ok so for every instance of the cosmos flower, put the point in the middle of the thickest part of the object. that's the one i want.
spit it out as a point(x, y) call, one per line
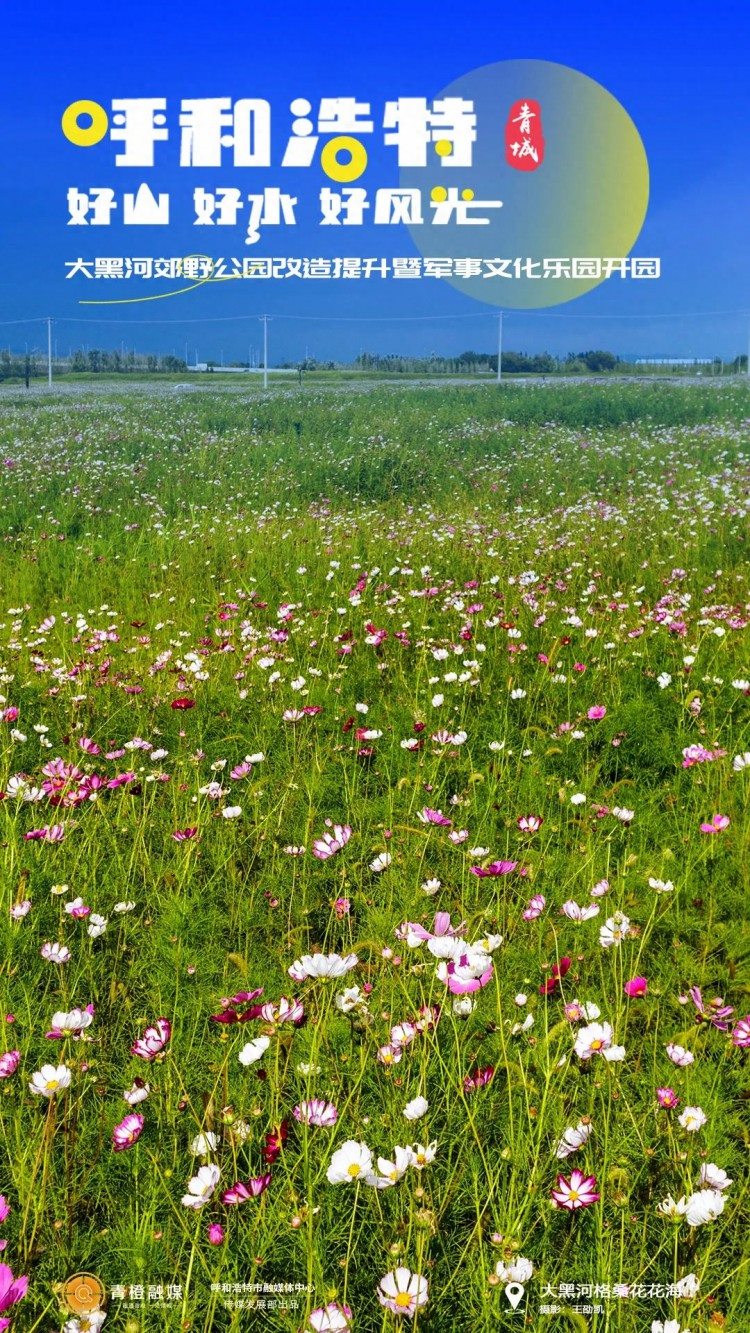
point(715, 1012)
point(575, 1191)
point(717, 824)
point(416, 1108)
point(9, 1063)
point(704, 1206)
point(49, 1080)
point(201, 1187)
point(667, 1098)
point(12, 1289)
point(403, 1292)
point(351, 1162)
point(573, 1139)
point(241, 1191)
point(636, 987)
point(331, 1318)
point(519, 1270)
point(153, 1041)
point(679, 1055)
point(330, 843)
point(321, 966)
point(596, 1039)
point(614, 930)
point(316, 1112)
point(741, 1032)
point(254, 1050)
point(127, 1132)
point(71, 1024)
point(692, 1119)
point(714, 1177)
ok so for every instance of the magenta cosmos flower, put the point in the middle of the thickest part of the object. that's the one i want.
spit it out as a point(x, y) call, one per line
point(127, 1132)
point(667, 1098)
point(741, 1032)
point(596, 713)
point(717, 824)
point(249, 1189)
point(715, 1012)
point(153, 1041)
point(9, 1063)
point(216, 1234)
point(575, 1191)
point(12, 1289)
point(636, 987)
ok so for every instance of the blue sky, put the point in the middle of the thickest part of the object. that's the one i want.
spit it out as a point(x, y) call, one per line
point(679, 70)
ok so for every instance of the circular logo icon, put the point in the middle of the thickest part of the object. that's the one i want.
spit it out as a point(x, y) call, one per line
point(83, 1293)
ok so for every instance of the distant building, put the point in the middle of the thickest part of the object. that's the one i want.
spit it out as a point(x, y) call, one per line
point(674, 361)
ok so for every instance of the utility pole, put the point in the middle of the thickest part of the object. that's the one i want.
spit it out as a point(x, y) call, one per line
point(500, 347)
point(49, 351)
point(264, 319)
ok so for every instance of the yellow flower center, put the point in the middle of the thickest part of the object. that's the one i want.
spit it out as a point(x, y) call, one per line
point(354, 1169)
point(574, 1196)
point(597, 1045)
point(403, 1300)
point(52, 1083)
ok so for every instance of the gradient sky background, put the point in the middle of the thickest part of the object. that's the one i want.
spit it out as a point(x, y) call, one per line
point(679, 70)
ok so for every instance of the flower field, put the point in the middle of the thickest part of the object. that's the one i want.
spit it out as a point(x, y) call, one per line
point(375, 859)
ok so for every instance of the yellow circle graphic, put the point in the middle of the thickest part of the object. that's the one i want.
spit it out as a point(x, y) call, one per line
point(343, 171)
point(84, 136)
point(83, 1293)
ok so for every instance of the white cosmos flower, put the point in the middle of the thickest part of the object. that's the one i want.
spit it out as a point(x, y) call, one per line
point(321, 965)
point(664, 680)
point(520, 1270)
point(254, 1050)
point(594, 1039)
point(349, 1163)
point(232, 811)
point(674, 1208)
point(741, 761)
point(704, 1206)
point(614, 930)
point(692, 1119)
point(201, 1187)
point(97, 925)
point(381, 862)
point(416, 1108)
point(50, 1079)
point(204, 1143)
point(392, 1171)
point(714, 1177)
point(661, 885)
point(573, 1138)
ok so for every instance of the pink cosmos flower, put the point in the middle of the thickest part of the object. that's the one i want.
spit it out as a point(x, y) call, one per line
point(216, 1234)
point(667, 1098)
point(596, 713)
point(740, 1032)
point(635, 988)
point(575, 1191)
point(330, 843)
point(479, 1079)
point(285, 1011)
point(529, 823)
point(238, 1008)
point(715, 1012)
point(250, 1189)
point(153, 1041)
point(9, 1063)
point(316, 1112)
point(717, 824)
point(4, 1208)
point(12, 1289)
point(535, 908)
point(184, 834)
point(127, 1132)
point(494, 868)
point(437, 817)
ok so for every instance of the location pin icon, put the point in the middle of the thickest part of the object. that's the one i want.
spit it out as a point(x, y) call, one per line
point(514, 1291)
